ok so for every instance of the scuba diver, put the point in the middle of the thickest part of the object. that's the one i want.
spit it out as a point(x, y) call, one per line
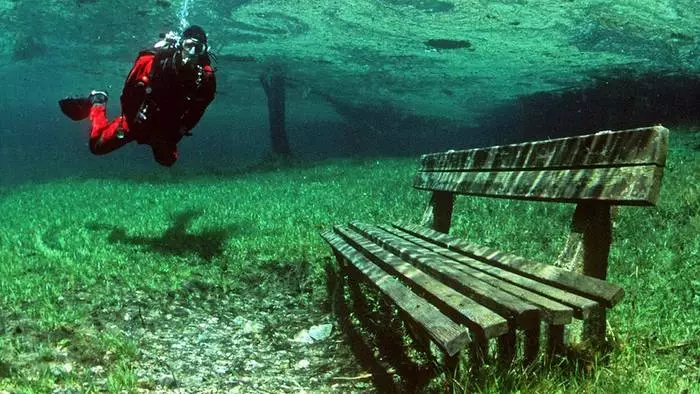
point(165, 95)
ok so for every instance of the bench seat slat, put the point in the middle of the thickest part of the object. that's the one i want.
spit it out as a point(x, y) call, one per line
point(604, 292)
point(447, 334)
point(552, 311)
point(582, 306)
point(523, 314)
point(449, 301)
point(603, 149)
point(617, 185)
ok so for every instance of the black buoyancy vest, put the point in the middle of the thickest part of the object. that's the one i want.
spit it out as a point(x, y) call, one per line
point(164, 100)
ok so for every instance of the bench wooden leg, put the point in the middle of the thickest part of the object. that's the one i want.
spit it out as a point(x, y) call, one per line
point(420, 340)
point(597, 239)
point(478, 352)
point(555, 339)
point(532, 344)
point(438, 214)
point(391, 342)
point(506, 348)
point(381, 377)
point(451, 363)
point(588, 249)
point(359, 304)
point(594, 328)
point(335, 284)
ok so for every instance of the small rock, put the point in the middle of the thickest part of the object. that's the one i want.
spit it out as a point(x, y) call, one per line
point(60, 353)
point(248, 326)
point(303, 337)
point(252, 364)
point(63, 369)
point(97, 370)
point(108, 356)
point(320, 332)
point(193, 381)
point(166, 380)
point(253, 327)
point(313, 334)
point(303, 364)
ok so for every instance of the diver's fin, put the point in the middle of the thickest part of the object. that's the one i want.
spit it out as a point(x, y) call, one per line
point(76, 108)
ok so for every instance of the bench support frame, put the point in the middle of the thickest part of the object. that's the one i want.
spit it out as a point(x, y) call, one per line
point(587, 250)
point(438, 214)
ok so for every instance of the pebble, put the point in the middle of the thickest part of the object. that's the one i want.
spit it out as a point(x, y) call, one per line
point(313, 334)
point(252, 364)
point(320, 332)
point(303, 337)
point(248, 326)
point(220, 369)
point(97, 369)
point(62, 369)
point(166, 380)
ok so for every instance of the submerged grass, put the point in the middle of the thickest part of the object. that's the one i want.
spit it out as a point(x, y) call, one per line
point(73, 252)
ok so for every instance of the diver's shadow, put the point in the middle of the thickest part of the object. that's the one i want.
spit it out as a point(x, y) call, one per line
point(175, 240)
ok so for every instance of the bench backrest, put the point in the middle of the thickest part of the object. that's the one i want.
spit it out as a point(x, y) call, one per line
point(617, 167)
point(594, 171)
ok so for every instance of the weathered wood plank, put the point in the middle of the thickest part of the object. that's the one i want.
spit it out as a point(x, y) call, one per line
point(447, 334)
point(551, 311)
point(451, 302)
point(603, 149)
point(522, 313)
point(581, 306)
point(617, 185)
point(599, 290)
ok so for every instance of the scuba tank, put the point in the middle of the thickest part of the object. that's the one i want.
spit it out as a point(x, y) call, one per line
point(168, 40)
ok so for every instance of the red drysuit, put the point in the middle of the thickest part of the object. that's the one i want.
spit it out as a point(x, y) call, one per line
point(160, 104)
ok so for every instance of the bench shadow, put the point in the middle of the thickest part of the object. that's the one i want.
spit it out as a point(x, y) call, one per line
point(176, 240)
point(378, 346)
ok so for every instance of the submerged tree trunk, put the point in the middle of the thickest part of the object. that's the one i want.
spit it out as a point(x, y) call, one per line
point(274, 85)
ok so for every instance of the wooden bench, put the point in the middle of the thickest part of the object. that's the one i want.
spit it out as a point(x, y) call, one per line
point(459, 293)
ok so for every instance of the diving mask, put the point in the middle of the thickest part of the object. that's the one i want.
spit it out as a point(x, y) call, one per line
point(192, 47)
